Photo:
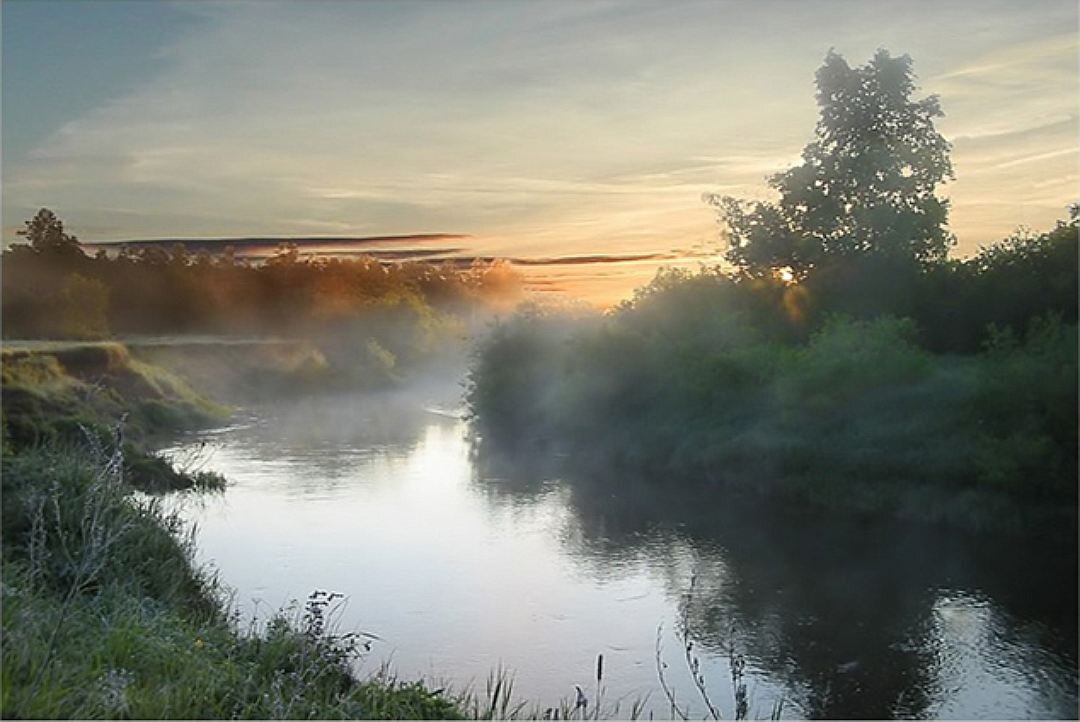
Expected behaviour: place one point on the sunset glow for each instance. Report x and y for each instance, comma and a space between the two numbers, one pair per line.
540, 359
531, 130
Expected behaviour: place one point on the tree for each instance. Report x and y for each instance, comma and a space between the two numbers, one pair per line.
46, 233
80, 309
865, 185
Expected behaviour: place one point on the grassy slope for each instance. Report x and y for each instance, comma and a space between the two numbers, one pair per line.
104, 615
104, 612
237, 370
71, 393
49, 391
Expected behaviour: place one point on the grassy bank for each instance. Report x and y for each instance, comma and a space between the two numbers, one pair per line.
858, 416
73, 393
105, 615
104, 612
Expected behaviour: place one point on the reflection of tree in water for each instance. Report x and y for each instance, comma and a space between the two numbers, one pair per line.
846, 612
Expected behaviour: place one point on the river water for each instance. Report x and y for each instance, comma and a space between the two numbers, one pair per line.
461, 565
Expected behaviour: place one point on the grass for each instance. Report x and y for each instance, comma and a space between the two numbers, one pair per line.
240, 371
119, 655
64, 394
105, 615
102, 379
104, 612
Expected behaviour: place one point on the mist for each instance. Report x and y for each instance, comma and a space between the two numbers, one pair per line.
822, 465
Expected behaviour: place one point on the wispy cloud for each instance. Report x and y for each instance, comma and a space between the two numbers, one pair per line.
260, 246
543, 130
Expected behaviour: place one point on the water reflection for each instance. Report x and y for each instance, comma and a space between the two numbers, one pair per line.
858, 618
462, 559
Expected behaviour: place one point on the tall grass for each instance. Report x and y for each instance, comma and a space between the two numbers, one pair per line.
736, 663
58, 396
106, 615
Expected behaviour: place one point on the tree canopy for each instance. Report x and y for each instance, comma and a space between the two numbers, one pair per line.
45, 232
52, 289
866, 184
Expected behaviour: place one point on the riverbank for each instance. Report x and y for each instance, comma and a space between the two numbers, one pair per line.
462, 562
858, 417
102, 394
341, 473
105, 613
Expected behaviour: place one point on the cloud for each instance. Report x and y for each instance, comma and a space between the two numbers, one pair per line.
318, 246
1070, 151
1006, 64
1011, 113
543, 131
383, 118
596, 259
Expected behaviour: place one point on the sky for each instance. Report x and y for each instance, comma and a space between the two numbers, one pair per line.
533, 130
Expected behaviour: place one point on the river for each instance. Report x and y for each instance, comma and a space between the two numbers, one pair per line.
461, 566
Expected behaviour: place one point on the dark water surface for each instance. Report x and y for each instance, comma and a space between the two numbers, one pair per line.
461, 565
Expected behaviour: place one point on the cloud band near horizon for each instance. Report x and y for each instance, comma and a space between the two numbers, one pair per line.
538, 130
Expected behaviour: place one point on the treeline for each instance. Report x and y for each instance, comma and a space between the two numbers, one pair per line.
105, 613
957, 305
53, 289
845, 360
808, 394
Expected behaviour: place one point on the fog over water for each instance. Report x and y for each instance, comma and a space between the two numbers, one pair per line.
461, 563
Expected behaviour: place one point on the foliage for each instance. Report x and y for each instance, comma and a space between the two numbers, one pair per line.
51, 289
45, 232
105, 616
679, 385
511, 368
866, 184
859, 355
1027, 403
79, 309
73, 392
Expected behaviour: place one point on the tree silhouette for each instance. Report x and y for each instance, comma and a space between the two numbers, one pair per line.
866, 184
46, 234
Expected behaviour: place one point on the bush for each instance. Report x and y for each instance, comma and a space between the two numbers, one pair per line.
848, 357
1026, 403
683, 387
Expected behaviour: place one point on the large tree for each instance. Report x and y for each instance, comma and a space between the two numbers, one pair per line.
46, 234
865, 185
